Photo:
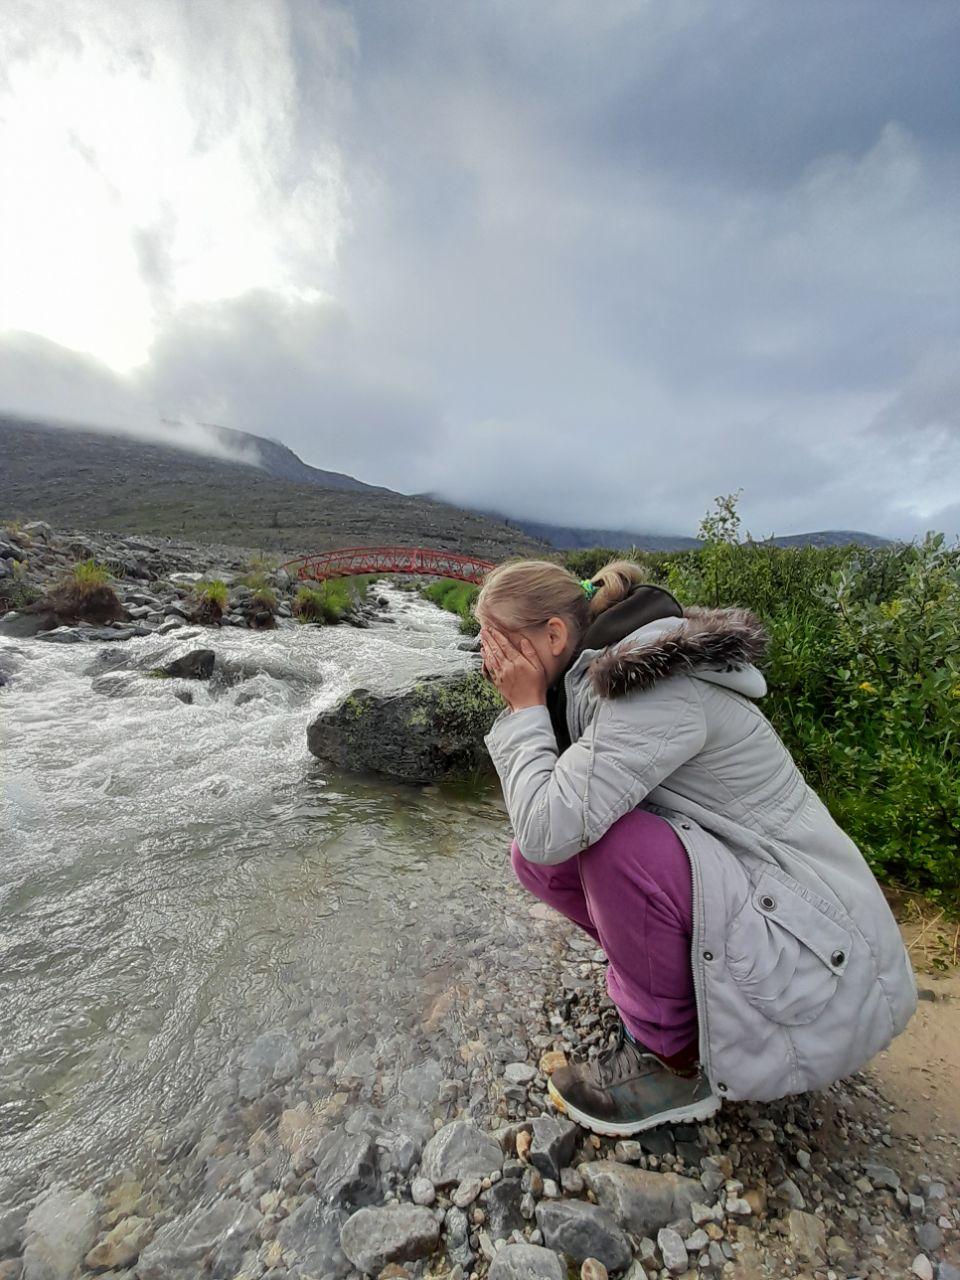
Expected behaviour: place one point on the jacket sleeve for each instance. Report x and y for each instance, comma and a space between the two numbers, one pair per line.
560, 803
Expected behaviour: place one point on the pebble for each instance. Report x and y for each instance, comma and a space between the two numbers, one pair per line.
673, 1250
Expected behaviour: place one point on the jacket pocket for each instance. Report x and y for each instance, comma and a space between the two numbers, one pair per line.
786, 950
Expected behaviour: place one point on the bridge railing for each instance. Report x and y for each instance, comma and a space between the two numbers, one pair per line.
343, 562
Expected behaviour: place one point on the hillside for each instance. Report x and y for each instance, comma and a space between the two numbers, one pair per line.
573, 538
90, 480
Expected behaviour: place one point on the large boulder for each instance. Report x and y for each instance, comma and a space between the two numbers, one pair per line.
430, 730
372, 1238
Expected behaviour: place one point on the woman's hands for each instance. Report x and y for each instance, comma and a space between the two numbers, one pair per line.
517, 672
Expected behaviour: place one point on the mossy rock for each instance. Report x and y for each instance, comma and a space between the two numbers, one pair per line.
432, 730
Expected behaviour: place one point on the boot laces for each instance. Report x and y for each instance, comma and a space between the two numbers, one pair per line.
620, 1059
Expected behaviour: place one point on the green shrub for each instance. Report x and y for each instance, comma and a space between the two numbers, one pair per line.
863, 673
456, 597
15, 591
325, 603
213, 592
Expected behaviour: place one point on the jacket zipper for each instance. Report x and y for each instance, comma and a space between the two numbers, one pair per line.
695, 953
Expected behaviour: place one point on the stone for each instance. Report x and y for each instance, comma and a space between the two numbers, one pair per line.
882, 1175
271, 1059
346, 1173
457, 1232
223, 1228
947, 1271
460, 1151
504, 1207
526, 1262
422, 1191
921, 1267
198, 664
807, 1236
697, 1240
58, 1233
551, 1146
310, 1237
519, 1072
466, 1193
929, 1236
121, 1245
673, 1250
840, 1253
583, 1231
640, 1200
789, 1191
593, 1269
431, 730
393, 1233
552, 1061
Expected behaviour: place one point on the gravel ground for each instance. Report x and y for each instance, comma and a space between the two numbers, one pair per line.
339, 1161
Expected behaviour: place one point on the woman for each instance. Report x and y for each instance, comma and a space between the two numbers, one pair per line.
750, 951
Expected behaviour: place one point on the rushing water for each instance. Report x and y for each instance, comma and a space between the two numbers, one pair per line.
176, 878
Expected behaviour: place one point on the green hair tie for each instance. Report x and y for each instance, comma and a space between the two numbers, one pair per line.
590, 588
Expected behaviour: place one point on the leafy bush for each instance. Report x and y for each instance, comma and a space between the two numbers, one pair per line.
456, 597
212, 597
864, 678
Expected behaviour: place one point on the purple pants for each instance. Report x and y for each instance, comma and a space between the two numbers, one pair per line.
631, 891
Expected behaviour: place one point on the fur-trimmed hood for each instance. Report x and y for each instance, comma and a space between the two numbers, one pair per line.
714, 644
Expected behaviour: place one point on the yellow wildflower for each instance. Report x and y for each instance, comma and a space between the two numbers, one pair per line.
866, 686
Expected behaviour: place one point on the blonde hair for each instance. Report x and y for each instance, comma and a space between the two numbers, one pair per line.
520, 594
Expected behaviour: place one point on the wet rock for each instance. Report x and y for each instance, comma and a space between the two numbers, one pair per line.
503, 1205
394, 1233
223, 1229
11, 1227
271, 1059
673, 1250
641, 1201
583, 1231
346, 1174
526, 1262
807, 1236
460, 1151
310, 1239
551, 1146
196, 665
59, 1231
121, 1245
431, 730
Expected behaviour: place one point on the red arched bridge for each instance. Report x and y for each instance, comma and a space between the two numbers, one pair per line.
347, 561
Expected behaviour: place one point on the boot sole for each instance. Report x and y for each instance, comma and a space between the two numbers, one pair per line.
702, 1110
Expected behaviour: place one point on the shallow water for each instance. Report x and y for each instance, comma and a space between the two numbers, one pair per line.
176, 879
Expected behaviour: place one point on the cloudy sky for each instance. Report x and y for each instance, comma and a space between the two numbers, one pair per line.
592, 263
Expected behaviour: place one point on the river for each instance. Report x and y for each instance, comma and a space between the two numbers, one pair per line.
179, 877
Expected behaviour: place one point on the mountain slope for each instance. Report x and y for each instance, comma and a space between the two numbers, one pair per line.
91, 480
570, 538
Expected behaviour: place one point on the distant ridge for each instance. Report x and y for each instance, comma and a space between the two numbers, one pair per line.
574, 538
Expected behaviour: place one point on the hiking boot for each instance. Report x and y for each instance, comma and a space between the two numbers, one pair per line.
628, 1089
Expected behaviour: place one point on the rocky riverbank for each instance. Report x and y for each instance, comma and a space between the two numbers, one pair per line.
310, 1173
154, 579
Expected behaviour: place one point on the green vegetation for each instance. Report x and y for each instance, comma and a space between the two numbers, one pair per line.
85, 595
328, 601
456, 597
15, 591
864, 678
212, 597
213, 592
